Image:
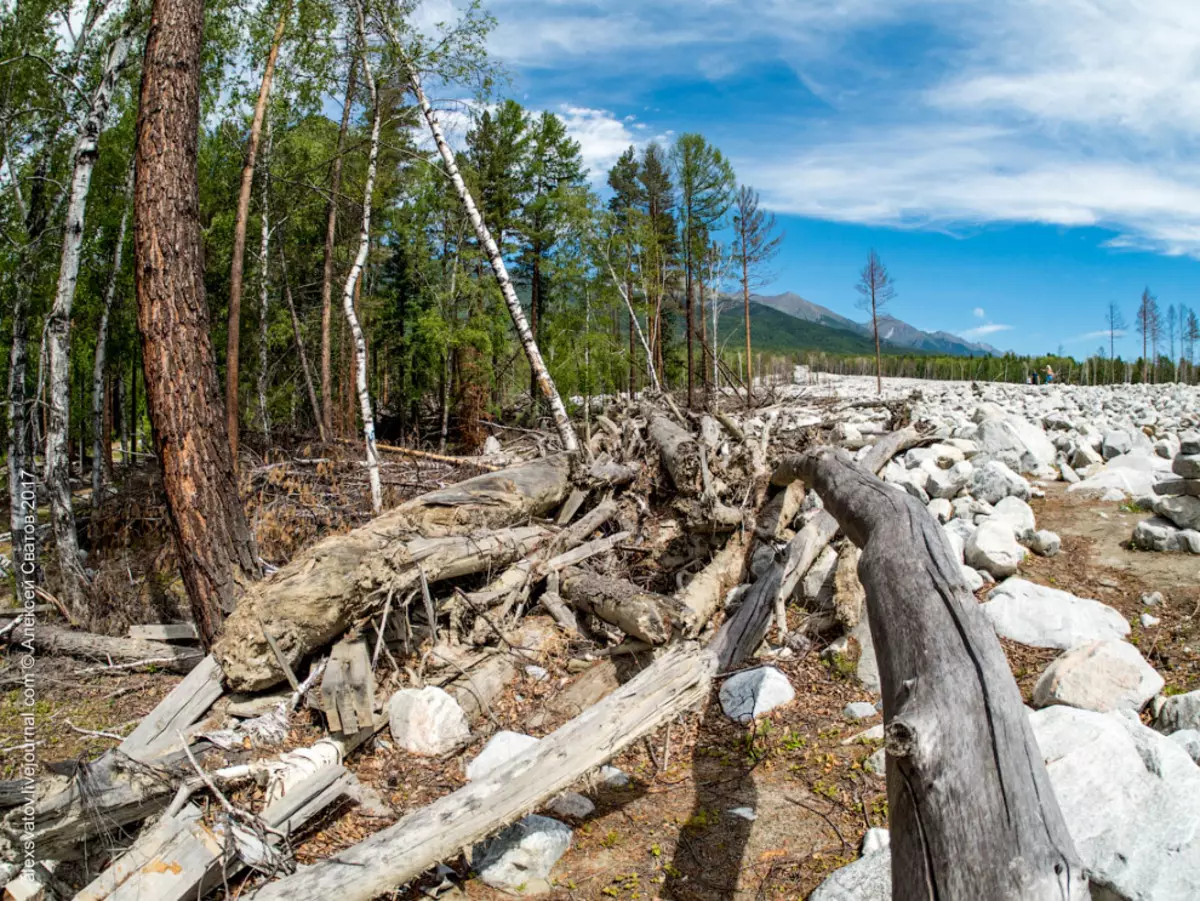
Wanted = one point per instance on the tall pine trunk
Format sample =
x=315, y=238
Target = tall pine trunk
x=264, y=287
x=746, y=310
x=335, y=184
x=58, y=331
x=212, y=538
x=101, y=437
x=238, y=258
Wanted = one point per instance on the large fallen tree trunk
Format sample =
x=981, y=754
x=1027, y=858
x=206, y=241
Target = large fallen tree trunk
x=640, y=614
x=118, y=652
x=677, y=681
x=679, y=449
x=972, y=811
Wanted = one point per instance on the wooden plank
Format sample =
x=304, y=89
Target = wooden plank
x=164, y=632
x=118, y=652
x=972, y=811
x=331, y=688
x=678, y=680
x=186, y=703
x=360, y=682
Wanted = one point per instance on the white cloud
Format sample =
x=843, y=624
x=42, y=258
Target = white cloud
x=1099, y=333
x=979, y=313
x=602, y=136
x=983, y=331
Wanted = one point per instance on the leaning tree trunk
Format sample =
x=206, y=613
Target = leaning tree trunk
x=335, y=184
x=562, y=421
x=100, y=434
x=212, y=538
x=58, y=328
x=305, y=368
x=965, y=778
x=237, y=260
x=352, y=281
x=635, y=325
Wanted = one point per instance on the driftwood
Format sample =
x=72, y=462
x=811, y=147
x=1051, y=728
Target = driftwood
x=159, y=730
x=972, y=811
x=639, y=614
x=679, y=450
x=348, y=688
x=702, y=596
x=118, y=652
x=678, y=680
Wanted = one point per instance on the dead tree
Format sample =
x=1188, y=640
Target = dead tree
x=875, y=290
x=972, y=811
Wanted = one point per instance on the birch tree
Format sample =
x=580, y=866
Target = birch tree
x=99, y=436
x=58, y=325
x=562, y=421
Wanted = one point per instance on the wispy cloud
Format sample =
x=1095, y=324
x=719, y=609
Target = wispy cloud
x=982, y=331
x=1096, y=335
x=979, y=313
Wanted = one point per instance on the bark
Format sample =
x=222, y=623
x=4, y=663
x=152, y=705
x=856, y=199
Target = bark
x=308, y=379
x=105, y=649
x=237, y=260
x=746, y=306
x=335, y=183
x=213, y=540
x=101, y=435
x=955, y=725
x=313, y=599
x=643, y=615
x=58, y=328
x=353, y=280
x=676, y=682
x=562, y=421
x=20, y=458
x=264, y=299
x=680, y=452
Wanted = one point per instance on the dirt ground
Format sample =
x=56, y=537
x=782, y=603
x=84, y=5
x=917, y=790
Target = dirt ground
x=672, y=833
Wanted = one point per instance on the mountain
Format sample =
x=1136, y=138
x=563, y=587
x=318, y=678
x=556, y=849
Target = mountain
x=892, y=330
x=774, y=331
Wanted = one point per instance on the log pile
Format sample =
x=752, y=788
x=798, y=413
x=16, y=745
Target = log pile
x=668, y=536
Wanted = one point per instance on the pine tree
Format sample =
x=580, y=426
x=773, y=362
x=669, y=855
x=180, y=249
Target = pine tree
x=755, y=244
x=875, y=290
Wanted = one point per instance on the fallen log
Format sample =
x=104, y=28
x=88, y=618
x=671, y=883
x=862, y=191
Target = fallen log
x=313, y=600
x=701, y=597
x=679, y=450
x=639, y=614
x=124, y=653
x=678, y=680
x=159, y=730
x=971, y=808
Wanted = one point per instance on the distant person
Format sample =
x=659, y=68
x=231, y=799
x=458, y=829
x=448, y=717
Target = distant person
x=1049, y=375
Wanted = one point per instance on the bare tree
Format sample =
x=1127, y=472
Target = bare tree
x=875, y=290
x=212, y=538
x=1147, y=326
x=1115, y=323
x=754, y=245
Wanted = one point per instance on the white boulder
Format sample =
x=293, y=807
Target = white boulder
x=1101, y=676
x=748, y=695
x=1042, y=617
x=994, y=549
x=427, y=721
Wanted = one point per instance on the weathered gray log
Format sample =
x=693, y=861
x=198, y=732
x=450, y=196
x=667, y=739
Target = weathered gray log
x=679, y=450
x=972, y=811
x=640, y=614
x=164, y=632
x=741, y=634
x=186, y=703
x=107, y=649
x=12, y=793
x=678, y=680
x=704, y=593
x=314, y=599
x=348, y=687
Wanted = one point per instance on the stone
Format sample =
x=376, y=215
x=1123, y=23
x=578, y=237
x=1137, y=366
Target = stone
x=427, y=721
x=817, y=585
x=994, y=548
x=1101, y=676
x=491, y=446
x=1189, y=740
x=974, y=578
x=1152, y=598
x=1084, y=456
x=993, y=481
x=522, y=855
x=1187, y=465
x=1044, y=543
x=1189, y=487
x=1116, y=443
x=1179, y=712
x=1148, y=621
x=860, y=710
x=1042, y=617
x=1183, y=511
x=744, y=813
x=939, y=508
x=611, y=777
x=1156, y=534
x=876, y=839
x=1133, y=474
x=947, y=483
x=1189, y=443
x=1130, y=799
x=748, y=695
x=867, y=668
x=1015, y=512
x=572, y=806
x=877, y=762
x=867, y=879
x=501, y=748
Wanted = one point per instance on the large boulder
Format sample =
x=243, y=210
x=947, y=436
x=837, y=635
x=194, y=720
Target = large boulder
x=1179, y=712
x=1115, y=443
x=520, y=858
x=1158, y=534
x=500, y=749
x=1016, y=513
x=867, y=879
x=994, y=481
x=753, y=693
x=1184, y=511
x=993, y=548
x=1101, y=676
x=1131, y=800
x=1042, y=617
x=1016, y=443
x=427, y=721
x=1133, y=474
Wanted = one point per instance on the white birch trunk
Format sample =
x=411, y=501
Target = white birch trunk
x=58, y=331
x=264, y=259
x=562, y=421
x=110, y=291
x=360, y=259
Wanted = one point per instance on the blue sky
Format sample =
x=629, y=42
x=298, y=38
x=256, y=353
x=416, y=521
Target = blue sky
x=1017, y=163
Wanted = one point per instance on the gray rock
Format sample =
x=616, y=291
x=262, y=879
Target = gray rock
x=994, y=548
x=877, y=762
x=949, y=482
x=1189, y=443
x=817, y=585
x=1044, y=543
x=1084, y=456
x=1101, y=676
x=522, y=855
x=994, y=481
x=500, y=749
x=491, y=446
x=748, y=695
x=860, y=710
x=974, y=578
x=1152, y=598
x=1190, y=487
x=1187, y=465
x=611, y=777
x=1156, y=534
x=572, y=806
x=1131, y=800
x=1179, y=712
x=427, y=721
x=1116, y=443
x=1148, y=621
x=868, y=666
x=1017, y=513
x=1183, y=511
x=867, y=879
x=1189, y=740
x=1133, y=475
x=939, y=508
x=876, y=839
x=1044, y=617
